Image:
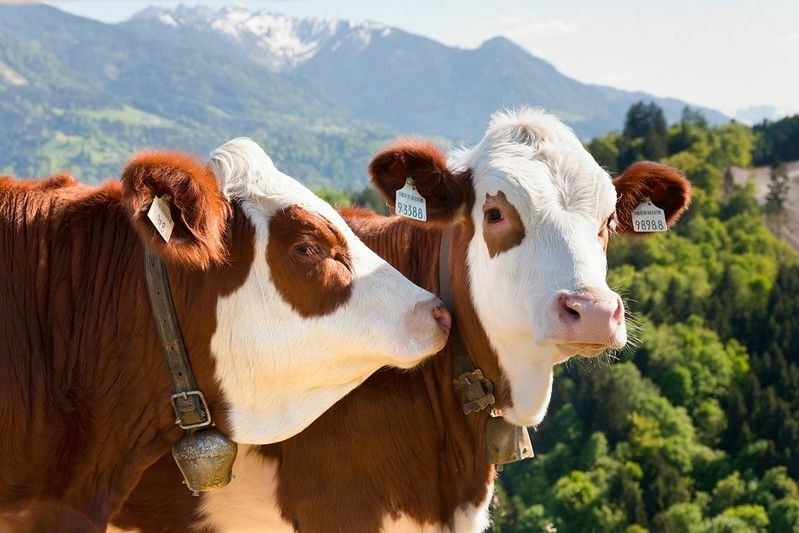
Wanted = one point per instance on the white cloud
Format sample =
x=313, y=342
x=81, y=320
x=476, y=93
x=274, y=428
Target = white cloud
x=793, y=36
x=532, y=23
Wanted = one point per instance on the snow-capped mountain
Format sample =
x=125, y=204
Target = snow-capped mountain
x=391, y=77
x=278, y=41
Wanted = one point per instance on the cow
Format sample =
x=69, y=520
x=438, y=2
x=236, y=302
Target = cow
x=528, y=214
x=283, y=310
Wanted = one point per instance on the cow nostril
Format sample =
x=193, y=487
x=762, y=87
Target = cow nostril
x=619, y=312
x=442, y=317
x=571, y=308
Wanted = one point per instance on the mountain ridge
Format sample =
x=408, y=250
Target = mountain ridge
x=365, y=67
x=84, y=95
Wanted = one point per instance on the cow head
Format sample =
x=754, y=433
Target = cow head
x=316, y=312
x=537, y=212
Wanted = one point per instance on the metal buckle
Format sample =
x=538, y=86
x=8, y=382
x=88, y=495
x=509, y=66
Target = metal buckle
x=203, y=413
x=477, y=392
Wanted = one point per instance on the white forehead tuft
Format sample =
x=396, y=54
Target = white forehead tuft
x=244, y=171
x=542, y=126
x=524, y=147
x=523, y=131
x=235, y=162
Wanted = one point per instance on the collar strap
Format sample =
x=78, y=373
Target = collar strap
x=505, y=442
x=191, y=409
x=476, y=391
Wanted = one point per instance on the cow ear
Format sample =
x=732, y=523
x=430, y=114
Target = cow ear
x=198, y=209
x=446, y=194
x=665, y=186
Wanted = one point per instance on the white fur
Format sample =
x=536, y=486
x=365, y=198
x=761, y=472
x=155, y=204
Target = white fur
x=467, y=519
x=563, y=197
x=278, y=370
x=249, y=502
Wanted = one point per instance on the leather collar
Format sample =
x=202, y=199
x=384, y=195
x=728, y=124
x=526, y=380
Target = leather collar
x=505, y=442
x=191, y=409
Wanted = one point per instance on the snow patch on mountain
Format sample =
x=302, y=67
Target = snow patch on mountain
x=279, y=41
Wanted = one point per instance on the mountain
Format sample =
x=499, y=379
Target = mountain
x=402, y=80
x=321, y=95
x=275, y=41
x=758, y=113
x=84, y=95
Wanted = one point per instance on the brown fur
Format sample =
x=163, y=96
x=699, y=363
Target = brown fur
x=502, y=235
x=84, y=401
x=427, y=164
x=666, y=186
x=199, y=210
x=400, y=443
x=309, y=261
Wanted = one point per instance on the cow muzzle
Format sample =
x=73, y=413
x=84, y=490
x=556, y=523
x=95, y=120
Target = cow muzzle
x=589, y=321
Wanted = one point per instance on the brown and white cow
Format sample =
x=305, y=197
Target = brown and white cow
x=529, y=213
x=282, y=310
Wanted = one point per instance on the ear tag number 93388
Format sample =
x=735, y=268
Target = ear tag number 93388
x=648, y=217
x=409, y=203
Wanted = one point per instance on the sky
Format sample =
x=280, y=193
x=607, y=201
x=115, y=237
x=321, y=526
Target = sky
x=724, y=54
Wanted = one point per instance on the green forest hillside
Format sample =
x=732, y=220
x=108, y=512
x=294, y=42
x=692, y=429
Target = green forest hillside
x=695, y=426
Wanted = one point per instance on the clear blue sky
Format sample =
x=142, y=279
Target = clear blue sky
x=725, y=54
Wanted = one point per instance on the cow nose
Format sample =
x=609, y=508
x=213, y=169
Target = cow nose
x=590, y=317
x=442, y=317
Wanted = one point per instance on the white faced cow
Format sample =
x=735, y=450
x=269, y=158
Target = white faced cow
x=282, y=310
x=527, y=214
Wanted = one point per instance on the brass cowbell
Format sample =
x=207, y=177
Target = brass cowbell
x=205, y=458
x=506, y=442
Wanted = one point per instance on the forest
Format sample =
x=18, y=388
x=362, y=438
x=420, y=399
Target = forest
x=694, y=427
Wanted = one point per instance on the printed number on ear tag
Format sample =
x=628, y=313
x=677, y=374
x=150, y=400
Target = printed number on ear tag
x=409, y=203
x=648, y=217
x=161, y=217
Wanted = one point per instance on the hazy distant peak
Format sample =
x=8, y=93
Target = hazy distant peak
x=499, y=42
x=758, y=113
x=283, y=41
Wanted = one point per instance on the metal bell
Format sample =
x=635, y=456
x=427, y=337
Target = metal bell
x=506, y=442
x=205, y=458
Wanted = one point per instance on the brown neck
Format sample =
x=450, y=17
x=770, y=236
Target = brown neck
x=97, y=400
x=195, y=294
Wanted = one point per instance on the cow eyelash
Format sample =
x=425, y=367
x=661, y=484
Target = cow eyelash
x=306, y=248
x=611, y=223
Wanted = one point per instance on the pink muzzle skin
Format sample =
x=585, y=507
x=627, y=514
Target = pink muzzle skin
x=591, y=317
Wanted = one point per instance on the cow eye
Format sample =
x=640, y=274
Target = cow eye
x=306, y=249
x=493, y=215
